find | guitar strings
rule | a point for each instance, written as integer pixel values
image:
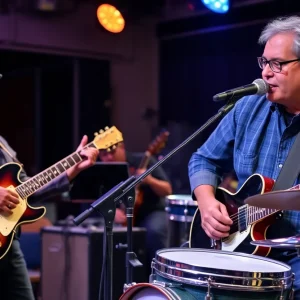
(234, 217)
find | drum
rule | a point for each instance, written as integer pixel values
(181, 210)
(184, 273)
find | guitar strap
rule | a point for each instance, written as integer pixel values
(8, 152)
(290, 169)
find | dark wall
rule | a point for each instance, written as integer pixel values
(38, 101)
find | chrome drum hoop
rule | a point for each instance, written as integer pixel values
(238, 280)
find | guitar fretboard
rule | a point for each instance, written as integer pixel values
(255, 214)
(258, 213)
(35, 183)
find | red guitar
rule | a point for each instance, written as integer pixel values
(249, 222)
(23, 213)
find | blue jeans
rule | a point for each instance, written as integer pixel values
(14, 280)
(156, 235)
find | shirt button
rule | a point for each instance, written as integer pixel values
(280, 165)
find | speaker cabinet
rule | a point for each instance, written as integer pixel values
(72, 261)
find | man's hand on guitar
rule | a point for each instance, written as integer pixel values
(215, 220)
(8, 200)
(90, 157)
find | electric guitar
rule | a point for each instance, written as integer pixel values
(250, 223)
(24, 213)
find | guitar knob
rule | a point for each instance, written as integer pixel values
(106, 127)
(101, 131)
(108, 150)
(114, 147)
(95, 133)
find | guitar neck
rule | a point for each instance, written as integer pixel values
(35, 183)
(145, 160)
(255, 214)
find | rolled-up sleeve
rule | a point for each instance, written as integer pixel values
(215, 156)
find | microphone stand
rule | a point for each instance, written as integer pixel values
(106, 204)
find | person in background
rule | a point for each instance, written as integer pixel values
(154, 188)
(14, 280)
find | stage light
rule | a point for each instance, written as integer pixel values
(110, 18)
(218, 6)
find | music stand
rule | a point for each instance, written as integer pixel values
(95, 181)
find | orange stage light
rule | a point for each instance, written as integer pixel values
(110, 18)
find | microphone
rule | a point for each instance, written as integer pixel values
(257, 87)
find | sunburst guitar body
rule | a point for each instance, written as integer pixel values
(10, 179)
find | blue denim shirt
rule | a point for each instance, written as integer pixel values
(252, 138)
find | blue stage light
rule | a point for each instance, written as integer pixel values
(218, 6)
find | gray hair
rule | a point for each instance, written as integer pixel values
(282, 25)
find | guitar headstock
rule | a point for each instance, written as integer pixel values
(159, 143)
(107, 138)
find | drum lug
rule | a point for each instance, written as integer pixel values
(208, 294)
(291, 295)
(282, 290)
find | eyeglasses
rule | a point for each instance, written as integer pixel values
(276, 66)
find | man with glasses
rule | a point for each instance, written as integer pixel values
(256, 137)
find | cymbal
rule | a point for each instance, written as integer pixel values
(285, 200)
(291, 242)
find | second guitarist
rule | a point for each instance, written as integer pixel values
(14, 277)
(155, 187)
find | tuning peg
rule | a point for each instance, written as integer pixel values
(114, 147)
(101, 131)
(108, 150)
(95, 133)
(106, 127)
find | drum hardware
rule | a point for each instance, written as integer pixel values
(152, 276)
(282, 290)
(292, 242)
(291, 296)
(208, 294)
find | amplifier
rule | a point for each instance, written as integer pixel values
(72, 261)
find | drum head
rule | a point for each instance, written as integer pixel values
(225, 269)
